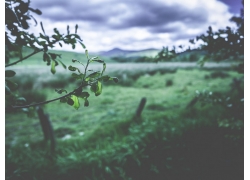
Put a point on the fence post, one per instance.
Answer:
(140, 107)
(46, 128)
(192, 102)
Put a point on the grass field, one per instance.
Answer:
(176, 137)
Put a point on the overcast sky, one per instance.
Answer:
(134, 24)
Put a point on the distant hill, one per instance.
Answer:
(116, 52)
(115, 55)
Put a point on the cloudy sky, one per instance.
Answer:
(134, 24)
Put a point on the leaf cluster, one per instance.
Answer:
(92, 79)
(166, 54)
(222, 44)
(17, 16)
(218, 45)
(17, 37)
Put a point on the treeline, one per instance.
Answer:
(122, 59)
(187, 56)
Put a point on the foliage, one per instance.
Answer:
(17, 38)
(166, 54)
(221, 45)
(145, 59)
(218, 45)
(175, 138)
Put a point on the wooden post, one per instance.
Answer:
(192, 102)
(46, 128)
(140, 107)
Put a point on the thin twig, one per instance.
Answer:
(85, 71)
(45, 102)
(35, 52)
(26, 57)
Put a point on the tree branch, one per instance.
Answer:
(26, 57)
(46, 102)
(85, 70)
(41, 103)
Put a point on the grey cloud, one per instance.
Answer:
(148, 14)
(128, 41)
(70, 11)
(157, 15)
(164, 29)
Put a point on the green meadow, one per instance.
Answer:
(191, 126)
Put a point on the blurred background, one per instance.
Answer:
(177, 111)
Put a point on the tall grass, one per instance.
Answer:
(105, 141)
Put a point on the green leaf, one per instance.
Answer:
(76, 27)
(68, 29)
(105, 78)
(74, 60)
(94, 74)
(71, 68)
(25, 110)
(9, 73)
(53, 55)
(60, 91)
(53, 70)
(96, 59)
(55, 37)
(96, 88)
(42, 28)
(99, 85)
(115, 79)
(21, 100)
(56, 31)
(83, 46)
(46, 57)
(37, 11)
(104, 67)
(42, 43)
(13, 86)
(93, 87)
(7, 90)
(77, 37)
(86, 103)
(76, 104)
(64, 66)
(77, 76)
(84, 95)
(70, 101)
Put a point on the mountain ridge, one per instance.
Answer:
(121, 52)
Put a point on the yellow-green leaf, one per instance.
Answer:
(53, 69)
(99, 88)
(76, 104)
